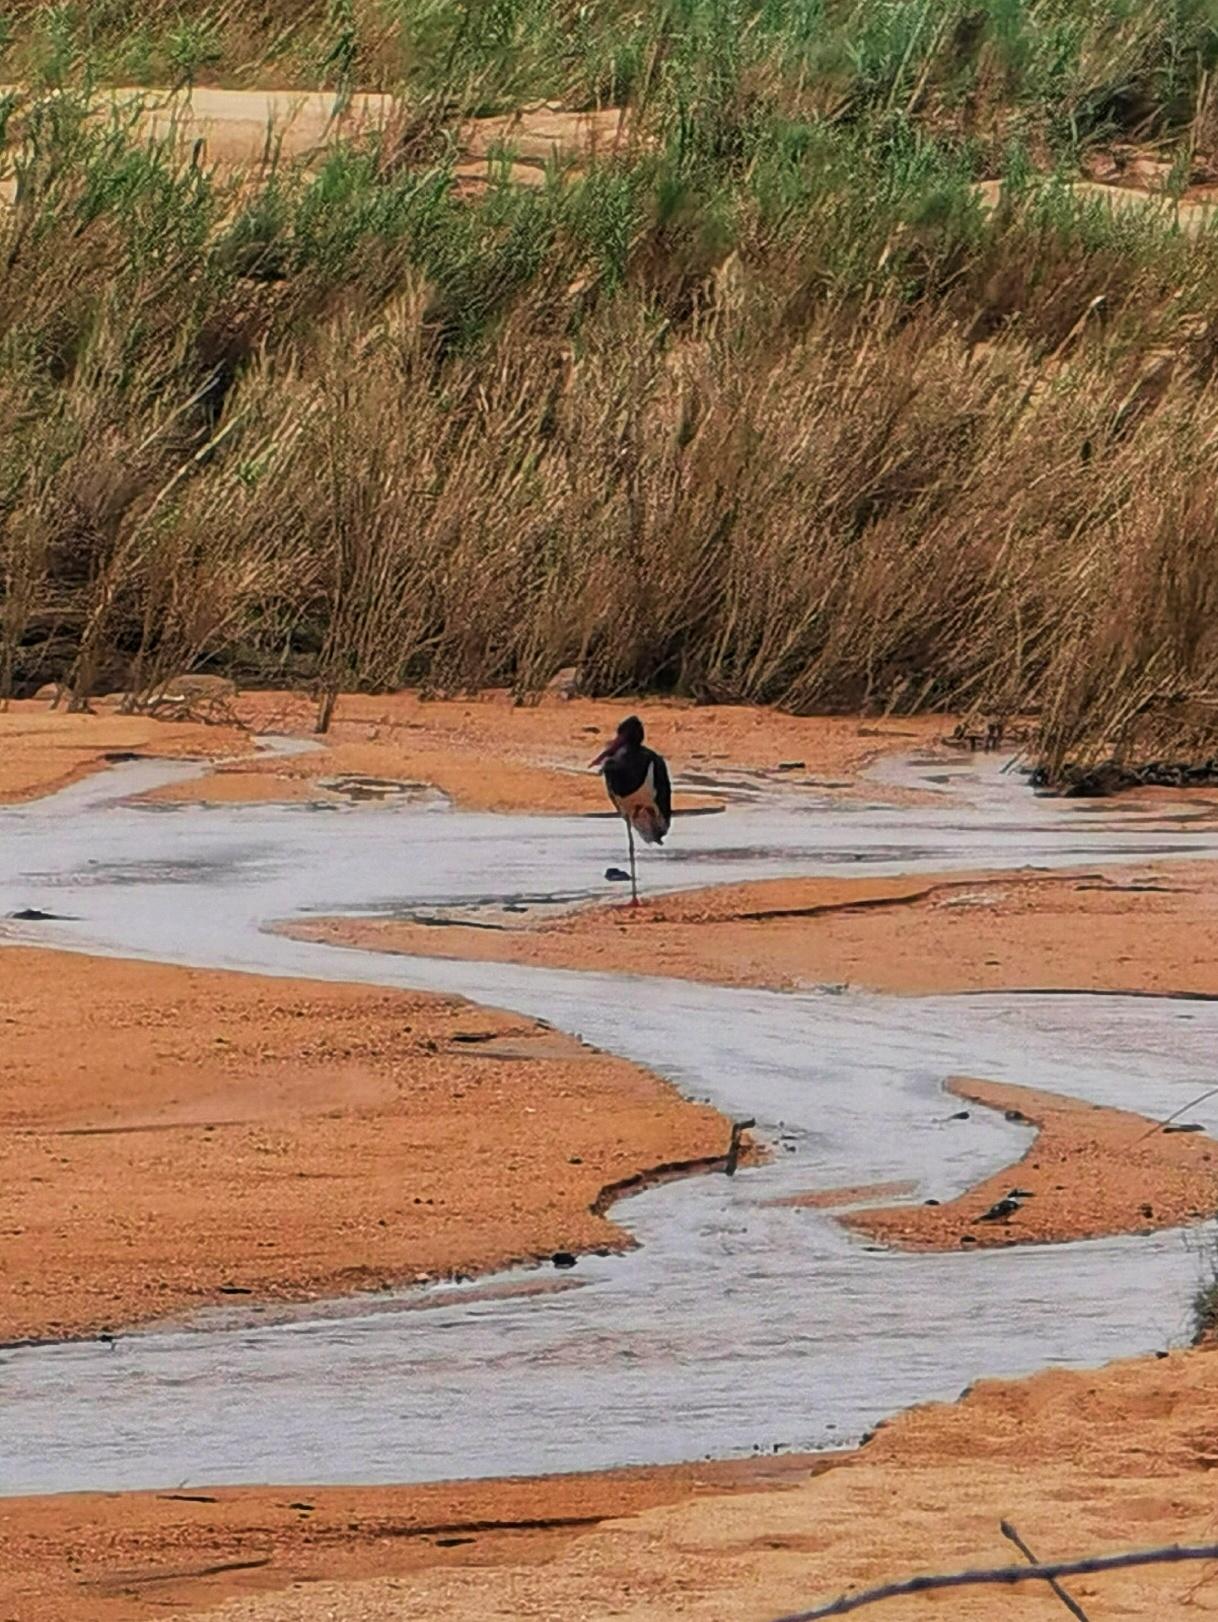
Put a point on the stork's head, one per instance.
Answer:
(629, 735)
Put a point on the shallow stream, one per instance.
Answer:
(737, 1324)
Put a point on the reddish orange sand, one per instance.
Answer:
(1078, 1462)
(42, 749)
(1089, 1172)
(284, 1139)
(492, 755)
(1152, 930)
(117, 1557)
(486, 754)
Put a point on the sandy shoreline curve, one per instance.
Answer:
(1090, 1172)
(446, 1139)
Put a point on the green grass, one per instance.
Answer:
(1066, 69)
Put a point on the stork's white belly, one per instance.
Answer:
(640, 809)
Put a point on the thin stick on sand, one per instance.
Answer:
(1172, 1554)
(1072, 1605)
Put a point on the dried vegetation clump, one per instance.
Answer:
(782, 397)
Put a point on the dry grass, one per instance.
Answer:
(763, 411)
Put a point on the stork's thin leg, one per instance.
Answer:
(634, 883)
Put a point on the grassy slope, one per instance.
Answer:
(767, 406)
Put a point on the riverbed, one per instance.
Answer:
(736, 1325)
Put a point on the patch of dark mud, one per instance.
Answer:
(1110, 777)
(453, 912)
(361, 789)
(800, 855)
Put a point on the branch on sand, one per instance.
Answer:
(1072, 1605)
(1009, 1575)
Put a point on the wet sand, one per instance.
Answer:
(1143, 931)
(485, 754)
(1090, 1172)
(122, 1557)
(200, 1137)
(1080, 1463)
(490, 754)
(42, 750)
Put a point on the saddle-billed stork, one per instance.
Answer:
(639, 786)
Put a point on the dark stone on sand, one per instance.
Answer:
(616, 874)
(35, 915)
(960, 1115)
(1000, 1211)
(563, 1258)
(1184, 1126)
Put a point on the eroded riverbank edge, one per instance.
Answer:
(114, 1557)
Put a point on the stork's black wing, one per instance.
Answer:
(663, 788)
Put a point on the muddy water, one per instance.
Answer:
(736, 1324)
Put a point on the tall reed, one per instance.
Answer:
(764, 408)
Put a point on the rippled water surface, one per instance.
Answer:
(736, 1323)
